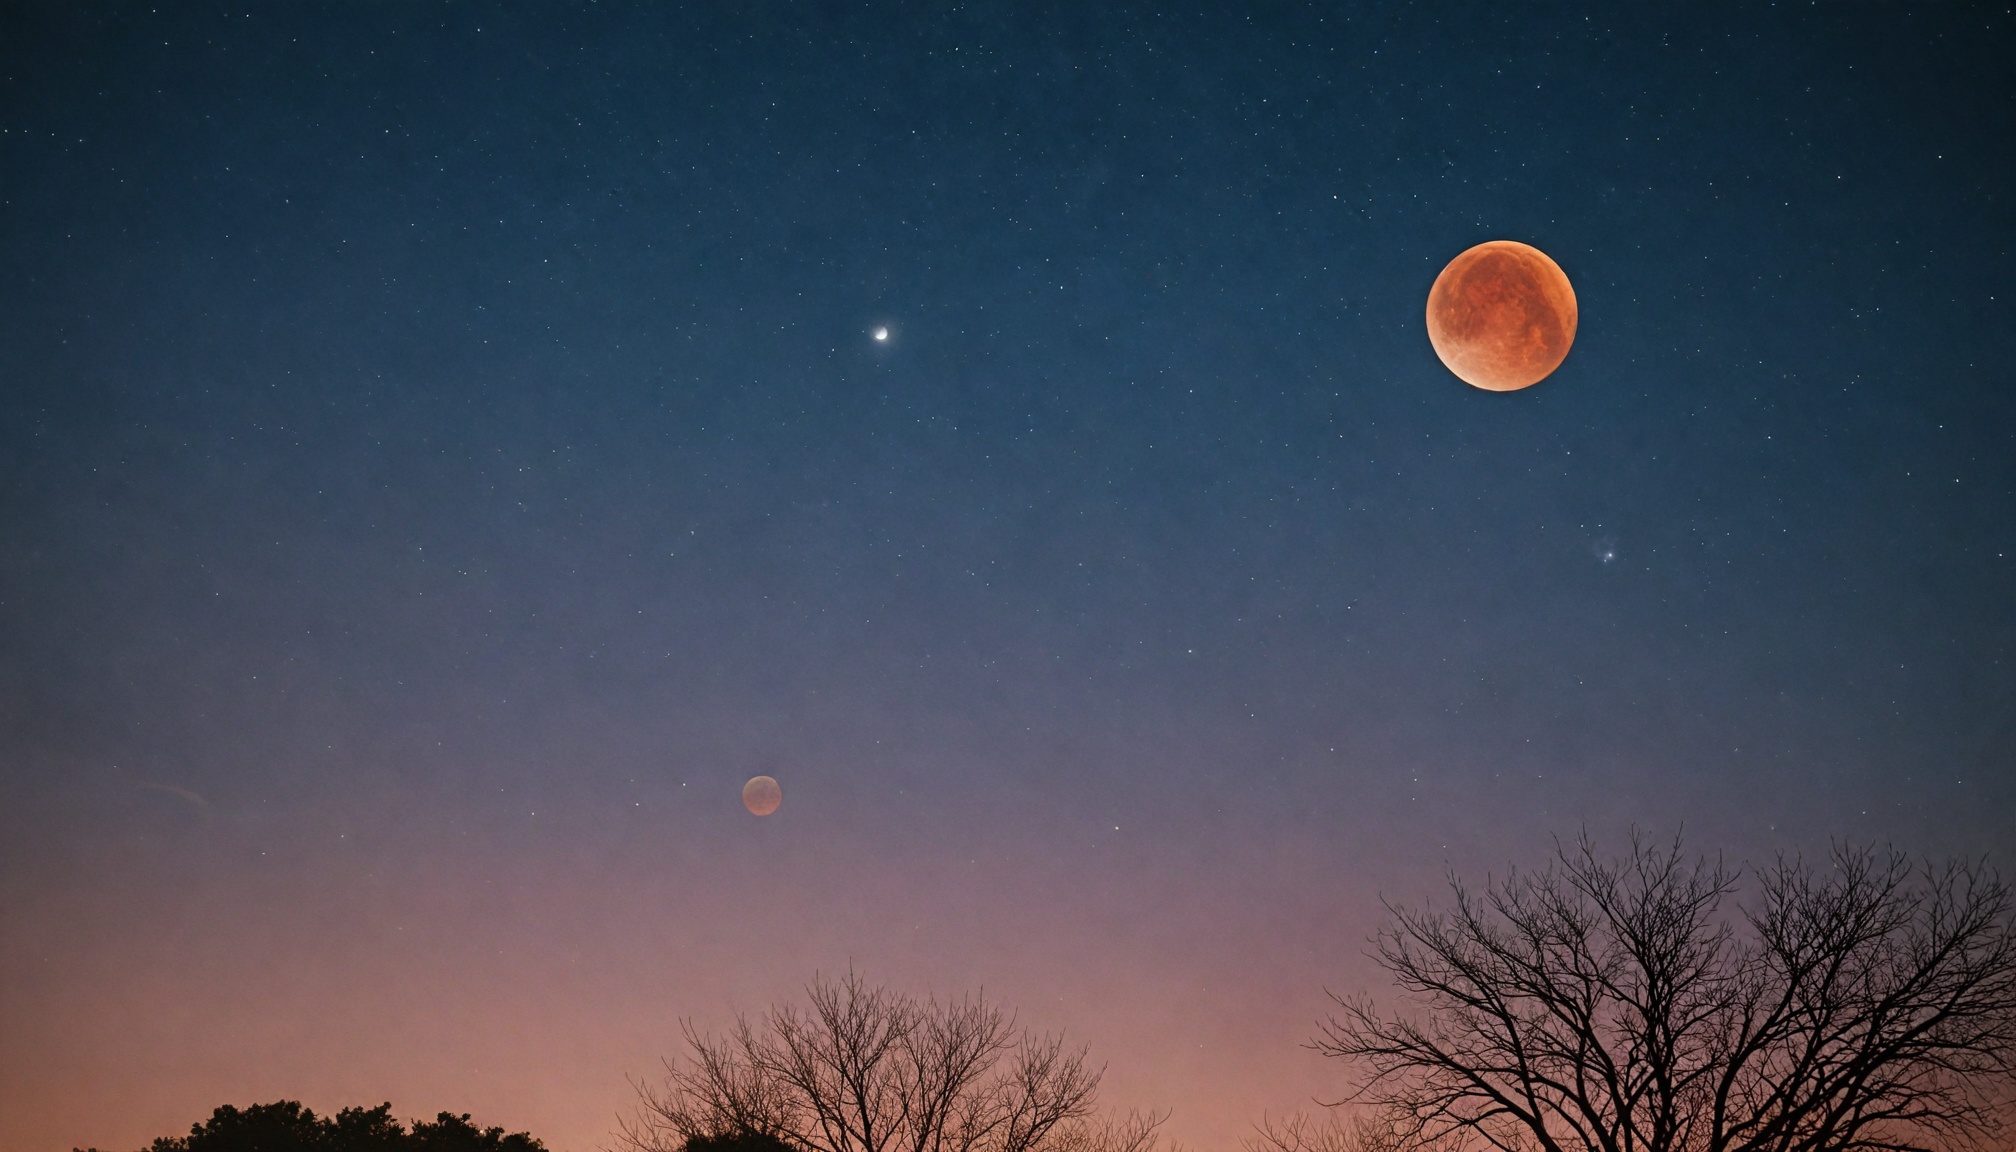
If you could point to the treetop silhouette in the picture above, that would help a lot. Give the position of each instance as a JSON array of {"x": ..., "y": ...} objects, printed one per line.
[{"x": 288, "y": 1126}]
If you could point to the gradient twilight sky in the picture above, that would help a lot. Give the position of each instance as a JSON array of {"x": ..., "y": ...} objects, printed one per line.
[{"x": 443, "y": 454}]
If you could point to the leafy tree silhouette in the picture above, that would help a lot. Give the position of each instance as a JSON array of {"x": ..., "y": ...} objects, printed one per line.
[
  {"x": 288, "y": 1126},
  {"x": 448, "y": 1132}
]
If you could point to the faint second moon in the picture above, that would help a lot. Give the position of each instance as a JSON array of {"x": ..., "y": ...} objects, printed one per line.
[
  {"x": 1502, "y": 316},
  {"x": 761, "y": 795}
]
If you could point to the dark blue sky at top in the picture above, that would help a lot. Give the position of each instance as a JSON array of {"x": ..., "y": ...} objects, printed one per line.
[
  {"x": 469, "y": 408},
  {"x": 445, "y": 369}
]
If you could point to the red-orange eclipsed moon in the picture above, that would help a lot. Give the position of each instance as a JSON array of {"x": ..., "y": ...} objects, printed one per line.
[
  {"x": 761, "y": 795},
  {"x": 1502, "y": 316}
]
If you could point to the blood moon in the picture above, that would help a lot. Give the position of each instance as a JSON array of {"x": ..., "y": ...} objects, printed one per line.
[
  {"x": 1501, "y": 316},
  {"x": 761, "y": 795}
]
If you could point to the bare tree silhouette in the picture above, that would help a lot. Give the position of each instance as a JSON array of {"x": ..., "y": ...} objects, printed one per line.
[
  {"x": 1301, "y": 1132},
  {"x": 1629, "y": 1005},
  {"x": 864, "y": 1069}
]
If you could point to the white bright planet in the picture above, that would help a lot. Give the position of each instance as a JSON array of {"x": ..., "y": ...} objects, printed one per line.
[{"x": 881, "y": 334}]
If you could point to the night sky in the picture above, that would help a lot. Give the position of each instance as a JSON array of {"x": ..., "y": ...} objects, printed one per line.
[{"x": 444, "y": 453}]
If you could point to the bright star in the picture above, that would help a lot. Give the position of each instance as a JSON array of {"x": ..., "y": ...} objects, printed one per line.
[{"x": 882, "y": 334}]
